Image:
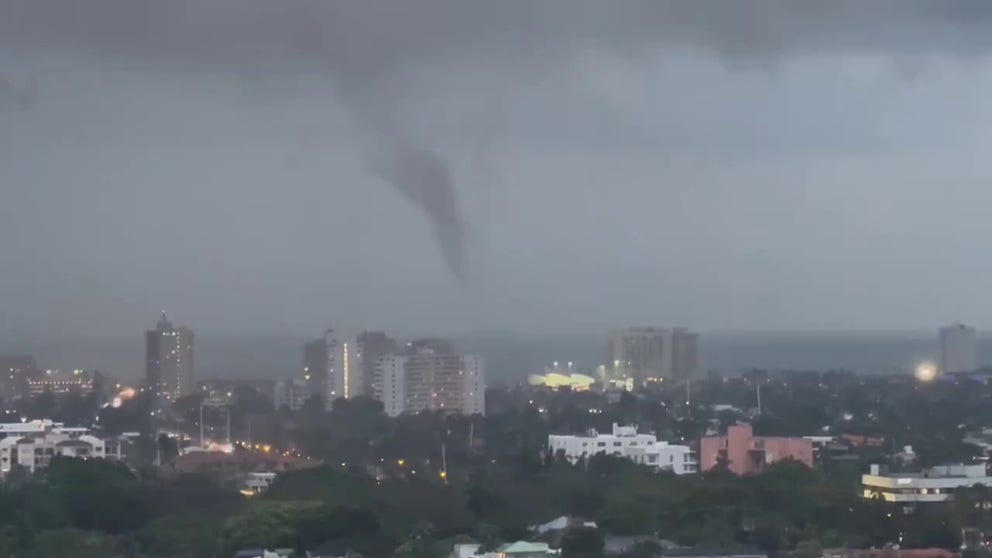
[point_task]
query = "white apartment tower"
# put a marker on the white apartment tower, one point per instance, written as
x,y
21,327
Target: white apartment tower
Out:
x,y
390,384
430,378
958,349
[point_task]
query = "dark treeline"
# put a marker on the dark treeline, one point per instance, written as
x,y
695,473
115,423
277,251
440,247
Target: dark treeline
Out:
x,y
380,491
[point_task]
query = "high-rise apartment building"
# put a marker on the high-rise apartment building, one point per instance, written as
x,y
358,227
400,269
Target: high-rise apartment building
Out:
x,y
390,384
474,386
347,380
333,368
958,349
169,367
430,376
322,368
316,363
652,354
372,345
15,371
685,353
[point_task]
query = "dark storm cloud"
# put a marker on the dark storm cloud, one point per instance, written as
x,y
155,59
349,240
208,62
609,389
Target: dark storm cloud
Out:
x,y
373,49
17,93
366,38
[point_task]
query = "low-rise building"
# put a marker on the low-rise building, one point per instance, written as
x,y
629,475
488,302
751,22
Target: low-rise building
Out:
x,y
519,549
624,441
562,523
292,394
746,454
59,382
257,483
936,484
34,450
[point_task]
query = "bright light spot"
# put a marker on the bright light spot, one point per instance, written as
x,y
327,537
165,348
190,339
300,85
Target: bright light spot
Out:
x,y
926,371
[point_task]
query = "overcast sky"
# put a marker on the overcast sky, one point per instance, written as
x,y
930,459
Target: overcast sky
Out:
x,y
257,166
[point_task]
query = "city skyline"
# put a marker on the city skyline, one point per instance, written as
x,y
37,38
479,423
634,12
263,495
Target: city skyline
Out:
x,y
495,279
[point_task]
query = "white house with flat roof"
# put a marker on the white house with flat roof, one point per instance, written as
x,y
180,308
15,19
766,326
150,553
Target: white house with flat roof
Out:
x,y
39,426
33,444
519,549
625,442
936,484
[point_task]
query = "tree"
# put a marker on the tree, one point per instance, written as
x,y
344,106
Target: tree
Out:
x,y
809,548
183,537
167,447
71,542
353,527
100,495
483,503
628,514
421,544
583,542
265,525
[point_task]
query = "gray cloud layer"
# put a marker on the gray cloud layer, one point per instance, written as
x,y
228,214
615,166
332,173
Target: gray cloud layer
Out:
x,y
402,69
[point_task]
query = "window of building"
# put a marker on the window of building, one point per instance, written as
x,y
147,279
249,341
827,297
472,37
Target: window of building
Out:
x,y
601,444
617,444
652,459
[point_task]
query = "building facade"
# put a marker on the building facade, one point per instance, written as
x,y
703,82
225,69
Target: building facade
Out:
x,y
474,385
390,384
651,354
349,381
57,382
316,363
936,484
15,370
34,444
430,377
434,380
958,349
747,454
170,370
292,394
372,345
626,442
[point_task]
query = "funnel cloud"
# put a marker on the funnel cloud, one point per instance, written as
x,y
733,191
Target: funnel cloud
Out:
x,y
423,179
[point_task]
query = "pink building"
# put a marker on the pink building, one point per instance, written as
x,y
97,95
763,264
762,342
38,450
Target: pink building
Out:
x,y
747,454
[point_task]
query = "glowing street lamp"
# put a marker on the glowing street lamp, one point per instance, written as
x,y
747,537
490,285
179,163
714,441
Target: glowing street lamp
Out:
x,y
926,371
